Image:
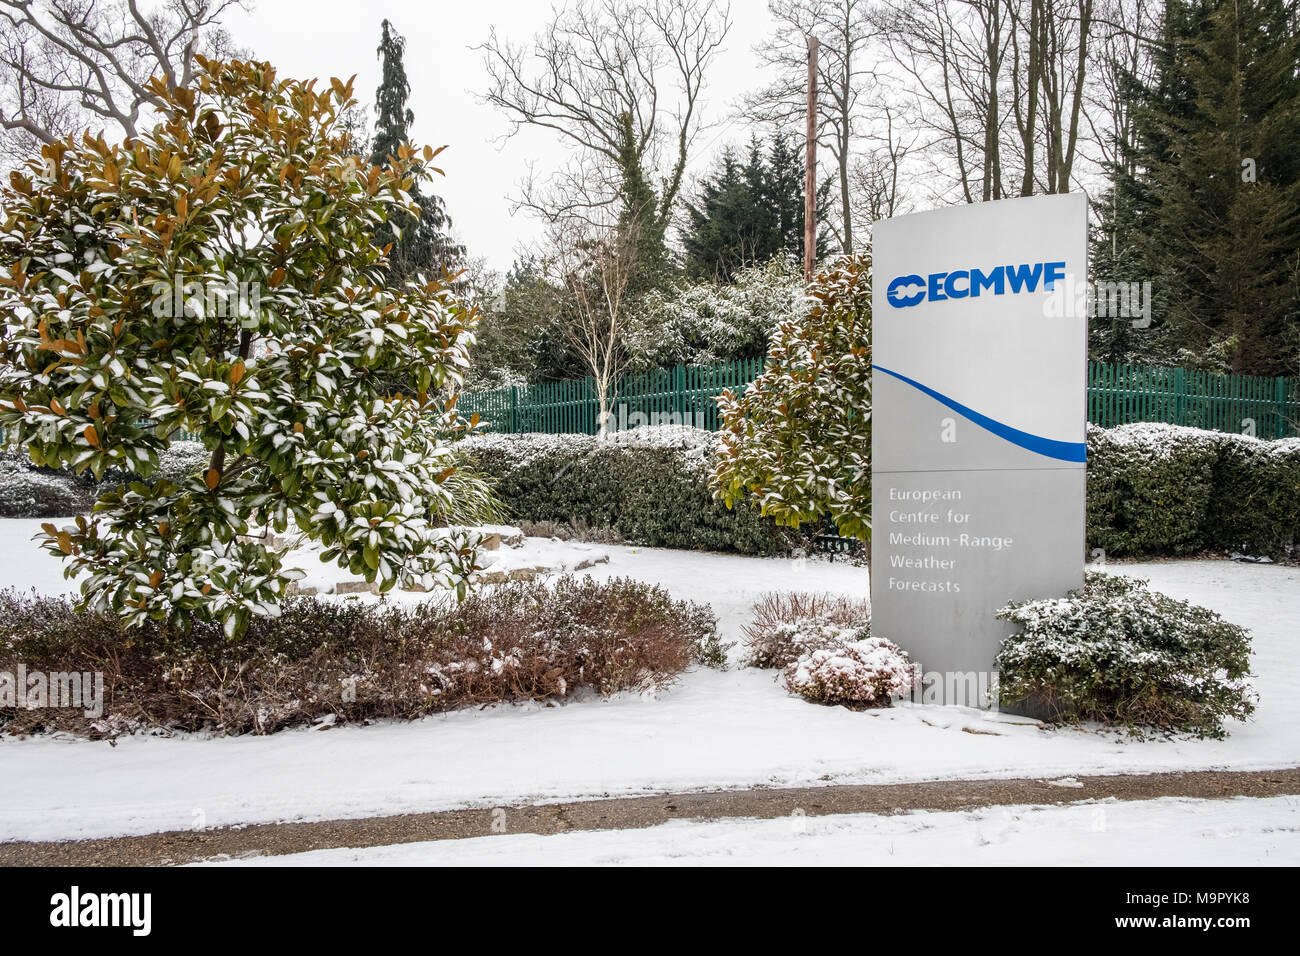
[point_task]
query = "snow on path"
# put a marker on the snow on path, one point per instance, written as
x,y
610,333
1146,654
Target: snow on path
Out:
x,y
1167,832
711,730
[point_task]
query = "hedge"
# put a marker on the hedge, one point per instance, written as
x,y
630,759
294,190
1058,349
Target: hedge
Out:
x,y
1152,490
649,485
1169,490
31,491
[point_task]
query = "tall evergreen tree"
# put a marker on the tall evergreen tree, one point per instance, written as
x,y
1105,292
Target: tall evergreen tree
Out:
x,y
1215,202
746,212
419,245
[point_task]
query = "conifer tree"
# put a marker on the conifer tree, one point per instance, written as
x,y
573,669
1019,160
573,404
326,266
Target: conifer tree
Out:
x,y
747,212
420,244
1215,202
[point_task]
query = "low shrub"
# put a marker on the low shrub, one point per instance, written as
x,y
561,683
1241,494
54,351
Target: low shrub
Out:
x,y
576,530
29,491
822,642
786,625
354,661
1116,652
861,673
646,486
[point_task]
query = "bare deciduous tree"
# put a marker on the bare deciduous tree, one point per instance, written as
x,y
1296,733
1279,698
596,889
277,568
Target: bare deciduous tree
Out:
x,y
1065,33
621,82
952,54
875,177
71,65
595,262
971,64
846,72
1122,55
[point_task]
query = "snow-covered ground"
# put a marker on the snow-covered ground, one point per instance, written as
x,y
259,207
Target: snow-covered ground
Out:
x,y
729,729
1167,832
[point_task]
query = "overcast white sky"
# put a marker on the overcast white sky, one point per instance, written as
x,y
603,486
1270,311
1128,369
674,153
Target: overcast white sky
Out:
x,y
324,38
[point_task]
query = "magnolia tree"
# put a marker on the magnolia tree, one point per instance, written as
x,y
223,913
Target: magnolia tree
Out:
x,y
798,442
216,277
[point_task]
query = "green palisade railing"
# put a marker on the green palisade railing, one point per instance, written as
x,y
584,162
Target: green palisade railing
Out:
x,y
683,394
1117,395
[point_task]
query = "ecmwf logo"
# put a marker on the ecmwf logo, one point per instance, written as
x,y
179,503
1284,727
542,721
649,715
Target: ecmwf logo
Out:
x,y
906,291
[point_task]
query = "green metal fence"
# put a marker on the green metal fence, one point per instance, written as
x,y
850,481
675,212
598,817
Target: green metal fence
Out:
x,y
1117,395
683,394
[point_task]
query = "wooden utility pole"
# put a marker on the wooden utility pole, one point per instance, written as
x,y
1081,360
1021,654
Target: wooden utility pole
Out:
x,y
810,168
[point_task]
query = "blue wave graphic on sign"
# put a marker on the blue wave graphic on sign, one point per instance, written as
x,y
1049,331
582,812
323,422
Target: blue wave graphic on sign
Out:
x,y
1048,447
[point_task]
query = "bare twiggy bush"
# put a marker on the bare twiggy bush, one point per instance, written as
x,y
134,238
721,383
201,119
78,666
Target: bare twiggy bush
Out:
x,y
785,624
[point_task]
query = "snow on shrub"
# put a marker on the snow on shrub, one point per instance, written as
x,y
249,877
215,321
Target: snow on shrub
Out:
x,y
1255,505
824,645
352,661
37,494
646,485
1153,489
787,624
868,672
1171,490
31,491
27,491
1149,488
181,459
1116,652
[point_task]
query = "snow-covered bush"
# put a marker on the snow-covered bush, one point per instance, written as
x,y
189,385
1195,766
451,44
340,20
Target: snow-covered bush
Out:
x,y
706,322
787,624
1170,490
353,661
27,491
647,485
1115,651
823,644
181,459
1255,505
866,672
797,443
1149,488
217,276
30,491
